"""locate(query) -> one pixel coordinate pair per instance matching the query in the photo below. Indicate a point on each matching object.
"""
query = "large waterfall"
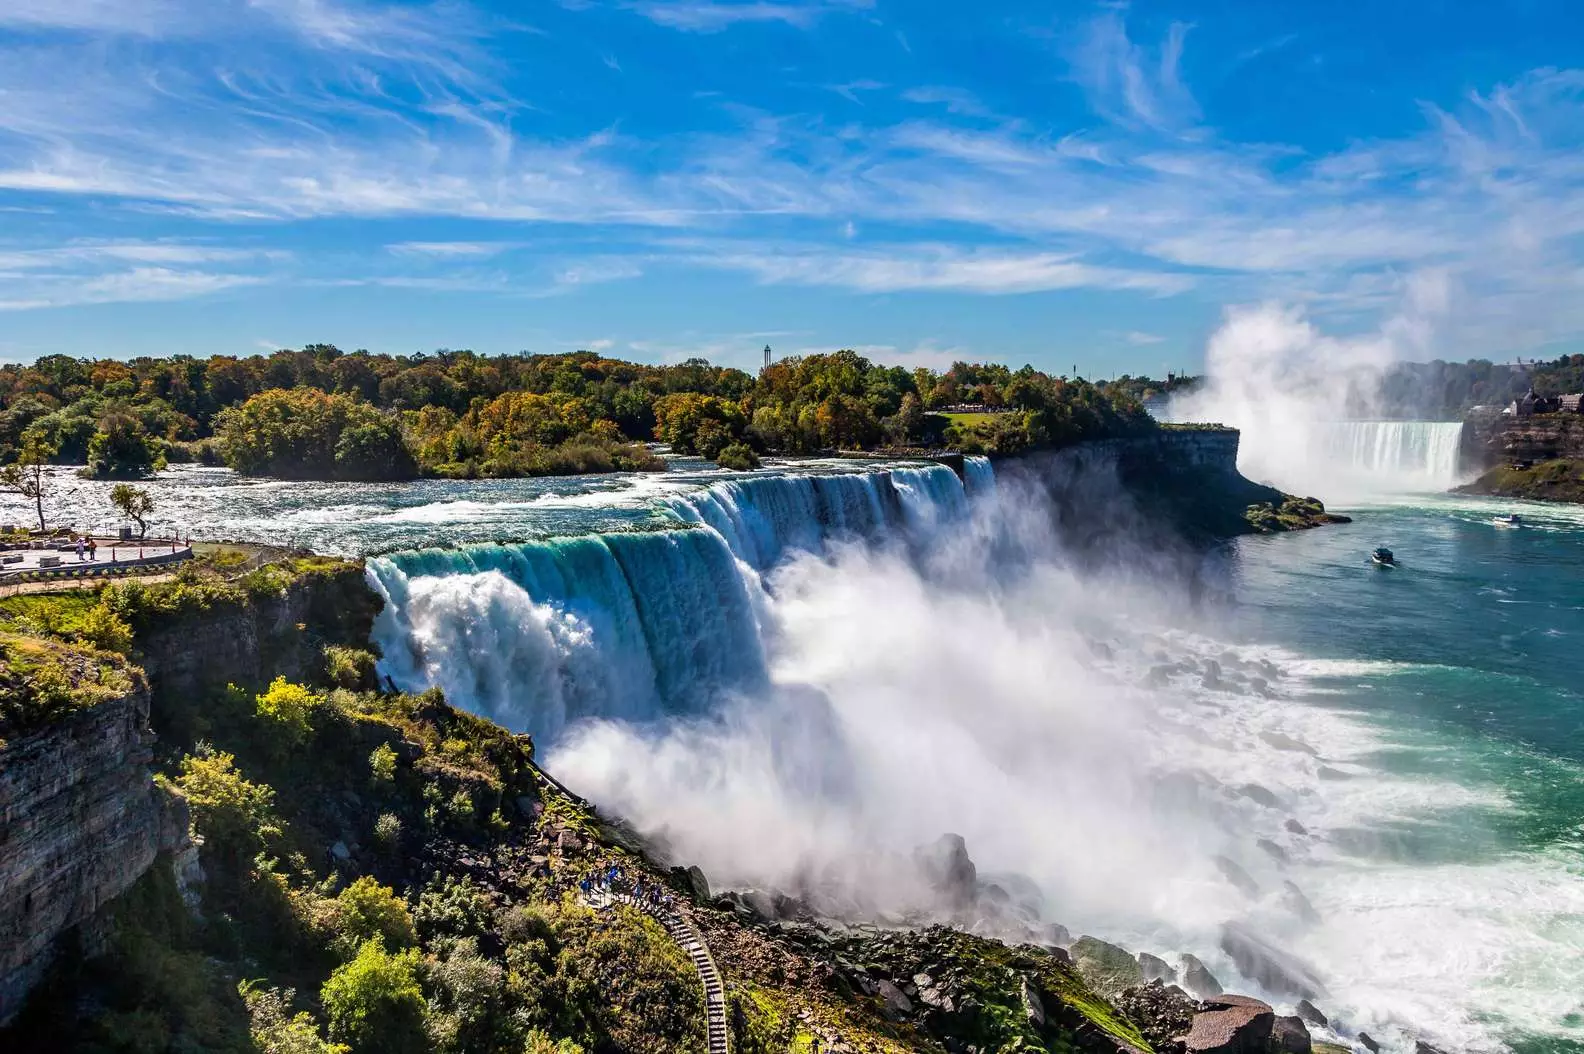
(1423, 454)
(635, 625)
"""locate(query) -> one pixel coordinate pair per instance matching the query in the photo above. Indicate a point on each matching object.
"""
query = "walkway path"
(687, 935)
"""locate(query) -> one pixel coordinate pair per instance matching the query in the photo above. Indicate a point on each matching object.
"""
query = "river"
(1402, 749)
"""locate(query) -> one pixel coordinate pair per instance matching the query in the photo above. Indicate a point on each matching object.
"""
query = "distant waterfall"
(633, 625)
(1403, 455)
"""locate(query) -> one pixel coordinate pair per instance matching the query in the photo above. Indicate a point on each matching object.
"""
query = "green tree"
(135, 504)
(236, 816)
(290, 706)
(367, 911)
(121, 448)
(374, 1002)
(25, 475)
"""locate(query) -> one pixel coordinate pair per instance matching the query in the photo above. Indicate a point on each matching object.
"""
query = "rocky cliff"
(80, 822)
(1133, 496)
(1499, 439)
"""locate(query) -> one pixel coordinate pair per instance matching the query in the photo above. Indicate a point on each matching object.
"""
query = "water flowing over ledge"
(635, 625)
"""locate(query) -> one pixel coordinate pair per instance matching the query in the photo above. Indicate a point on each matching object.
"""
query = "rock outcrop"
(1231, 1024)
(80, 821)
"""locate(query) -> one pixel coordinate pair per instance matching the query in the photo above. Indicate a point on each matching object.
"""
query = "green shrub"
(388, 831)
(382, 763)
(468, 1008)
(374, 1003)
(738, 456)
(452, 907)
(290, 706)
(367, 911)
(350, 668)
(539, 1043)
(106, 630)
(235, 816)
(276, 1030)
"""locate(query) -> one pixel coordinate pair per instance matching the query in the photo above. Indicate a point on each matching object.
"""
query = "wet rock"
(1162, 1012)
(1231, 1025)
(1368, 1043)
(1295, 902)
(1326, 772)
(1296, 828)
(1057, 934)
(1259, 795)
(1268, 966)
(1421, 1047)
(1033, 1009)
(1198, 979)
(1282, 741)
(895, 998)
(948, 869)
(1155, 969)
(1105, 967)
(693, 880)
(340, 851)
(1274, 851)
(1261, 686)
(1234, 873)
(1311, 1013)
(1289, 1036)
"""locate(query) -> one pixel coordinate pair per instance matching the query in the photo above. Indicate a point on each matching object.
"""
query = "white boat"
(1512, 519)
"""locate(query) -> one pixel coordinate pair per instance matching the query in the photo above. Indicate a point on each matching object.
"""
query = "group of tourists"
(613, 881)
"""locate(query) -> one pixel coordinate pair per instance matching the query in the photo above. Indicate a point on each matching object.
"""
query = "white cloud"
(447, 250)
(128, 286)
(1138, 338)
(935, 267)
(713, 16)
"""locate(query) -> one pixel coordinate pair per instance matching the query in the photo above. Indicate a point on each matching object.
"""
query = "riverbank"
(1558, 480)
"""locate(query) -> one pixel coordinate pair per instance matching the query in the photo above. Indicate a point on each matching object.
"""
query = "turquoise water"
(809, 670)
(1466, 666)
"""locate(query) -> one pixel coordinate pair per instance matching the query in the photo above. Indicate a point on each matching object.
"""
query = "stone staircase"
(687, 935)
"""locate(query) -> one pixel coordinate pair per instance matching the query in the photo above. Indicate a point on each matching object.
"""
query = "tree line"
(321, 413)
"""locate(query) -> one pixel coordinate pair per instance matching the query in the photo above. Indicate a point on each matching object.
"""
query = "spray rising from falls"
(805, 689)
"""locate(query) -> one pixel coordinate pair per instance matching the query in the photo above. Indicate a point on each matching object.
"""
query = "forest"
(321, 413)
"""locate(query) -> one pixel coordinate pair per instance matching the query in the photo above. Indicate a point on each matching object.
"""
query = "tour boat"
(1382, 557)
(1512, 519)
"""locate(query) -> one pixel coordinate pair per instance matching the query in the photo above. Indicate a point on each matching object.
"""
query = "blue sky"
(1062, 184)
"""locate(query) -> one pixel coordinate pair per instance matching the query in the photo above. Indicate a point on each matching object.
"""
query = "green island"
(373, 871)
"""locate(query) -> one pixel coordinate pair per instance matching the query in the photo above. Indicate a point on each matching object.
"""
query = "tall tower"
(767, 356)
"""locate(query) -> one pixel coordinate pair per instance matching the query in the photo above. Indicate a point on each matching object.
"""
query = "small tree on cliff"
(135, 503)
(25, 475)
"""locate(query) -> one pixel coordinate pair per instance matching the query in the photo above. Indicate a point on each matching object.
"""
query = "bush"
(291, 706)
(738, 456)
(468, 1011)
(349, 668)
(106, 630)
(388, 831)
(374, 1002)
(382, 763)
(235, 816)
(452, 907)
(367, 911)
(276, 1030)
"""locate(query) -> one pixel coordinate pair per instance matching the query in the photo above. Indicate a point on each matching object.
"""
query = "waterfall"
(1414, 455)
(633, 625)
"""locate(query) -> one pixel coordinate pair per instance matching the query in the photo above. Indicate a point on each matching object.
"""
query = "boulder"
(1231, 1025)
(340, 851)
(949, 870)
(1311, 1013)
(693, 880)
(1421, 1047)
(1234, 873)
(1268, 966)
(1162, 1012)
(1298, 904)
(1259, 795)
(1156, 969)
(1282, 741)
(1198, 979)
(1295, 827)
(1273, 850)
(895, 998)
(1105, 967)
(1057, 935)
(1033, 1009)
(1289, 1036)
(1368, 1043)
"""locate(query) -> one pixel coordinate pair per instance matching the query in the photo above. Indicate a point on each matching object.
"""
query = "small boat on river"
(1512, 519)
(1383, 557)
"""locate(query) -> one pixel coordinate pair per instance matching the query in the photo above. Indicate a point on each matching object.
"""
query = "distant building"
(1572, 404)
(1530, 404)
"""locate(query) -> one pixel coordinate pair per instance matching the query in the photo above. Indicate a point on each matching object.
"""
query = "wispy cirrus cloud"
(713, 16)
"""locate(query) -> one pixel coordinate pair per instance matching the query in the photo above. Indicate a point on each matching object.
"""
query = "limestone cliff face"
(1502, 439)
(80, 822)
(268, 635)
